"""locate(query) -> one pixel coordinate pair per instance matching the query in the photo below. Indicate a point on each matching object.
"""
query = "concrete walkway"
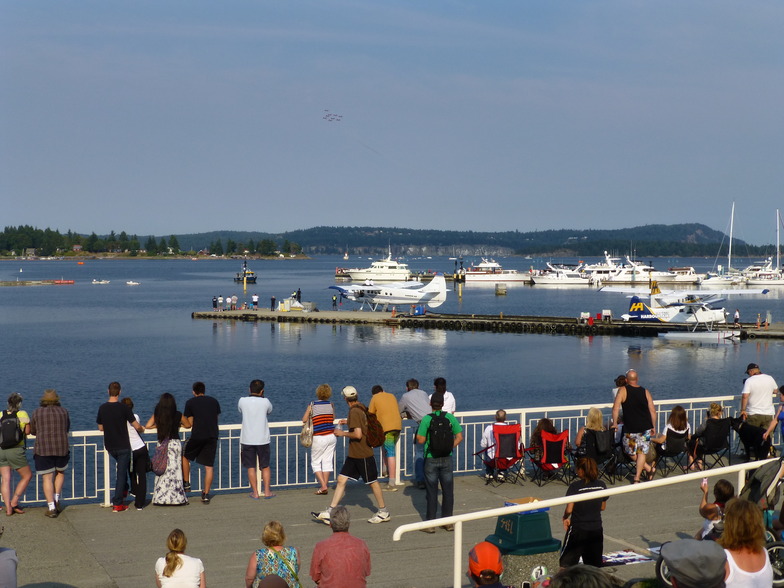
(89, 546)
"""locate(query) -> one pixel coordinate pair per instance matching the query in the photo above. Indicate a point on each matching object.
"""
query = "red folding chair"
(550, 461)
(505, 455)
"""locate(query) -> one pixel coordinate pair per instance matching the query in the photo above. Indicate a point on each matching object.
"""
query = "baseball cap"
(695, 564)
(485, 556)
(350, 393)
(752, 366)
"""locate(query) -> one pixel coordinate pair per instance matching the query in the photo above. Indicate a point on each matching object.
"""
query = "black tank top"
(636, 416)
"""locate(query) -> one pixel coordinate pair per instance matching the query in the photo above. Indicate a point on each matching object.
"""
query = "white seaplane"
(687, 307)
(383, 295)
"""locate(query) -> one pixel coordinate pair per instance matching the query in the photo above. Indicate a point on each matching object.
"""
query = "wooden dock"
(499, 323)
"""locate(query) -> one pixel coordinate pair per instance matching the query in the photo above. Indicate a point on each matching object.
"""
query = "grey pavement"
(90, 546)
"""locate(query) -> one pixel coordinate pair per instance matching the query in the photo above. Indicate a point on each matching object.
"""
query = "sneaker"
(119, 507)
(322, 516)
(187, 487)
(205, 498)
(501, 477)
(139, 508)
(58, 507)
(389, 488)
(448, 527)
(381, 516)
(488, 477)
(52, 514)
(420, 485)
(429, 530)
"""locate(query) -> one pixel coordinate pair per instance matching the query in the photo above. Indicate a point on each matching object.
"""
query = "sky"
(167, 117)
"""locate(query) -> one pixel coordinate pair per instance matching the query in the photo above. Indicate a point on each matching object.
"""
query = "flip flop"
(321, 492)
(270, 496)
(250, 495)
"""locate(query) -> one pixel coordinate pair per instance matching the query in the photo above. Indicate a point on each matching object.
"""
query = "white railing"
(91, 470)
(458, 520)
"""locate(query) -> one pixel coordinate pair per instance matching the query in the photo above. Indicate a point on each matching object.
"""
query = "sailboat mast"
(729, 251)
(778, 245)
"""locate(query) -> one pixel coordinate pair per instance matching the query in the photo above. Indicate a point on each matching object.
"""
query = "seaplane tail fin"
(655, 288)
(438, 286)
(639, 311)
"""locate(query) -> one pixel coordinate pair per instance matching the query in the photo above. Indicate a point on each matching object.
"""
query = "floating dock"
(499, 323)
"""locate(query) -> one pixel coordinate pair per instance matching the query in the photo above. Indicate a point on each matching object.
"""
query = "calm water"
(79, 338)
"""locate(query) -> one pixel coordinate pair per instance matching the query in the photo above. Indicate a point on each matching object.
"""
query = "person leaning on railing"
(50, 424)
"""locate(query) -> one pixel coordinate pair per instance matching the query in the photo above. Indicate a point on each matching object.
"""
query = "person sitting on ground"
(593, 422)
(178, 569)
(677, 422)
(485, 565)
(342, 559)
(274, 559)
(715, 411)
(743, 541)
(581, 576)
(536, 446)
(488, 442)
(695, 564)
(713, 512)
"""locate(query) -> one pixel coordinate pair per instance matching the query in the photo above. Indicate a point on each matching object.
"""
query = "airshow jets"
(691, 307)
(383, 295)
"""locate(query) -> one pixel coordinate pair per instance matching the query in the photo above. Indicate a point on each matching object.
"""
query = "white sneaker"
(322, 516)
(379, 517)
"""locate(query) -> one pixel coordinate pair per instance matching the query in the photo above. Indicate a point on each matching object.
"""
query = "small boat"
(490, 271)
(717, 336)
(561, 275)
(246, 275)
(132, 283)
(100, 281)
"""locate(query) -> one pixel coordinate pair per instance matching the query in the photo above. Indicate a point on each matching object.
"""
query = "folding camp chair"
(714, 443)
(550, 461)
(505, 455)
(673, 454)
(599, 446)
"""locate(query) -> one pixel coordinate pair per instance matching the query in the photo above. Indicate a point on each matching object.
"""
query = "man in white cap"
(360, 462)
(695, 564)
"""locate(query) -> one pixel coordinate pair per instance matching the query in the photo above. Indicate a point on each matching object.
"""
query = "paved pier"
(90, 547)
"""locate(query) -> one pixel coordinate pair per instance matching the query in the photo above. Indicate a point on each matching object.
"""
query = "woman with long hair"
(169, 489)
(715, 411)
(176, 569)
(743, 540)
(594, 421)
(582, 521)
(273, 558)
(15, 458)
(678, 422)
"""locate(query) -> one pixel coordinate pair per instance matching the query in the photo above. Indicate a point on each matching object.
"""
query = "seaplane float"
(384, 295)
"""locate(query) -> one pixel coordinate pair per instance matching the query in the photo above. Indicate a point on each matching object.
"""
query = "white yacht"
(561, 275)
(386, 270)
(490, 271)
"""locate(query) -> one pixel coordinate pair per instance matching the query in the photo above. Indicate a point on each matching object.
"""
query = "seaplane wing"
(383, 295)
(678, 306)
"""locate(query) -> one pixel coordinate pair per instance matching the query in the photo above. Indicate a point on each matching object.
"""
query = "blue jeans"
(419, 461)
(438, 470)
(123, 459)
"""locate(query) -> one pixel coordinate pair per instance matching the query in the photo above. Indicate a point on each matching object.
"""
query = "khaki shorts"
(16, 458)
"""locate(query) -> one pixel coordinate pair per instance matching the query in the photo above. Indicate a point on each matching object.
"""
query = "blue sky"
(170, 117)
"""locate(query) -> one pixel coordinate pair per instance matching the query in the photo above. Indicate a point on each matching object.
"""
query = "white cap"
(350, 393)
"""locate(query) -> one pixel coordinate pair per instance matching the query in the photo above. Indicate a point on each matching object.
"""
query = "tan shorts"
(16, 458)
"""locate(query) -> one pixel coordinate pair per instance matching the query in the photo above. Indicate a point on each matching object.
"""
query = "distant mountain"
(645, 240)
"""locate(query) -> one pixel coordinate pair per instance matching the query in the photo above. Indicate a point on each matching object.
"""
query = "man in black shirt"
(201, 414)
(112, 418)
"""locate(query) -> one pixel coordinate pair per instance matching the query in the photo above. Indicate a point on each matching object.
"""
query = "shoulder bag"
(306, 436)
(160, 459)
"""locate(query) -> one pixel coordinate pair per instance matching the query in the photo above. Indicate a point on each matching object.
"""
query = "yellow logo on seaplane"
(636, 307)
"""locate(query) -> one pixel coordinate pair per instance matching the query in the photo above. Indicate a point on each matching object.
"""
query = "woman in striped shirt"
(322, 452)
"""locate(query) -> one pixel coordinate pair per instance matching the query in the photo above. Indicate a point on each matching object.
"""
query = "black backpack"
(440, 438)
(10, 430)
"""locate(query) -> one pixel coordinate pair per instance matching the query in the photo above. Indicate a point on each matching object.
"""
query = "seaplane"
(383, 295)
(693, 308)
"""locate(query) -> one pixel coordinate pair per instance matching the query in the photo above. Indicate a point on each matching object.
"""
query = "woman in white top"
(177, 570)
(743, 541)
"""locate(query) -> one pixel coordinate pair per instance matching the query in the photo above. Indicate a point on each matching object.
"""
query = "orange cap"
(485, 556)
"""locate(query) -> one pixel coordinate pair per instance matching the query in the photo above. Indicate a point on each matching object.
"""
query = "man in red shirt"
(342, 559)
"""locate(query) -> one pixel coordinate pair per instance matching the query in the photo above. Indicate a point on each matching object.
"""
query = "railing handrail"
(458, 520)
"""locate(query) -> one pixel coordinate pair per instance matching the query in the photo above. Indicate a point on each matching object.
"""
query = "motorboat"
(386, 270)
(246, 275)
(132, 283)
(599, 272)
(561, 275)
(633, 273)
(100, 281)
(717, 336)
(763, 274)
(489, 271)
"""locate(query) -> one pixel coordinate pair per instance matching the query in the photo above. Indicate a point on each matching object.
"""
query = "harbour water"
(78, 338)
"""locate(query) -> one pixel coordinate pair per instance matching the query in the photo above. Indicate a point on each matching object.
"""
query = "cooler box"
(524, 533)
(419, 310)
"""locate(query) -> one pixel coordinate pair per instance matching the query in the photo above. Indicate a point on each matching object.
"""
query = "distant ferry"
(245, 275)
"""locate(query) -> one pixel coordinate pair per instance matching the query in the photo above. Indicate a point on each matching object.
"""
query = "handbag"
(160, 459)
(306, 436)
